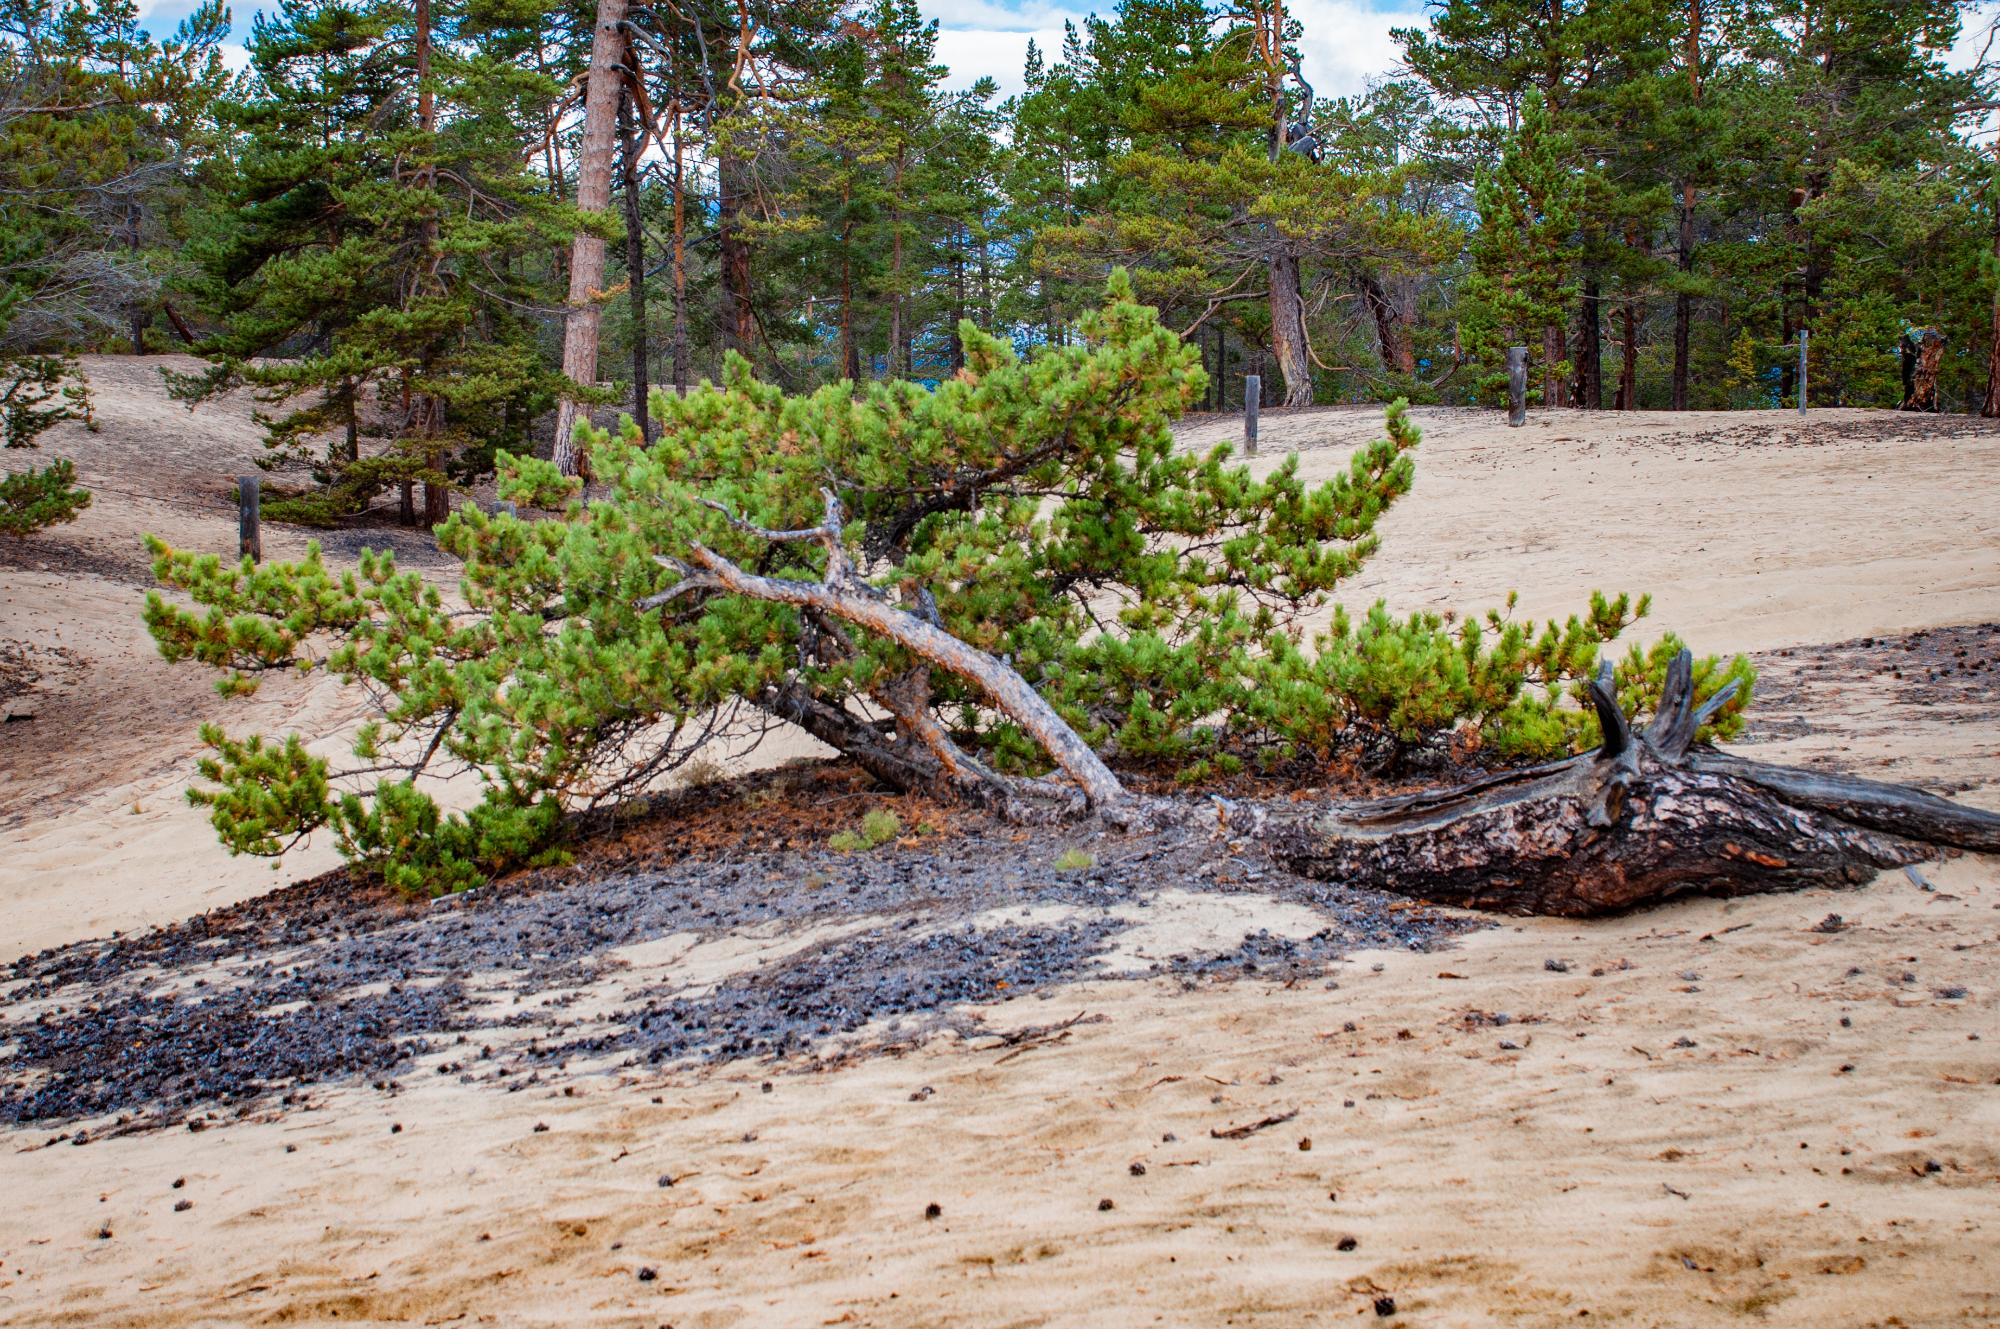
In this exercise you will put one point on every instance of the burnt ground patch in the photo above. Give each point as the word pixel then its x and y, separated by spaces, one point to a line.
pixel 248 1009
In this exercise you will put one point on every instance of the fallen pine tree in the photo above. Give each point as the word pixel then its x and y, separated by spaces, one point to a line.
pixel 1006 590
pixel 1649 815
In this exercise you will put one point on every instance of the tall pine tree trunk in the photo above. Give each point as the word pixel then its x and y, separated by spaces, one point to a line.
pixel 1991 407
pixel 1552 354
pixel 680 260
pixel 1684 249
pixel 593 195
pixel 739 321
pixel 1288 304
pixel 1683 301
pixel 1288 328
pixel 1589 344
pixel 1398 355
pixel 1628 367
pixel 959 303
pixel 850 351
pixel 899 352
pixel 633 140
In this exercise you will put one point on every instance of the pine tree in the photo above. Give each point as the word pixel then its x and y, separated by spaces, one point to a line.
pixel 373 240
pixel 940 559
pixel 1525 250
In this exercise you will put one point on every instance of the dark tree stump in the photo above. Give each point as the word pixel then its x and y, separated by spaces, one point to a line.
pixel 1647 817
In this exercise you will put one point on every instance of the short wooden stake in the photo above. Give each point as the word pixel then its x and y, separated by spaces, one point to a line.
pixel 1802 371
pixel 1517 386
pixel 1253 397
pixel 249 538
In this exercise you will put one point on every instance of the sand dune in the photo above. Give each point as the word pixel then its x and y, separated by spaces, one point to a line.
pixel 1712 1114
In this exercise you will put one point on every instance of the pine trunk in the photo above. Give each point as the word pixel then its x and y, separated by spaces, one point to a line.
pixel 1398 355
pixel 1991 407
pixel 593 195
pixel 1589 347
pixel 1628 368
pixel 739 322
pixel 680 261
pixel 1288 329
pixel 635 258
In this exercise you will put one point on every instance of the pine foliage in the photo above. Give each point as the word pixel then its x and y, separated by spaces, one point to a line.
pixel 1035 507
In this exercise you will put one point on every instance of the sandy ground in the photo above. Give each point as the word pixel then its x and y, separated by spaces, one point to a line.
pixel 1716 1114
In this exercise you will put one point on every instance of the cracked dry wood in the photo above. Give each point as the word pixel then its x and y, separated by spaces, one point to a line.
pixel 1646 817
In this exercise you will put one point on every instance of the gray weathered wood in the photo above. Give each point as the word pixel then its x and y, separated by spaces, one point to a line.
pixel 1802 371
pixel 845 595
pixel 249 517
pixel 1517 385
pixel 1650 815
pixel 1253 397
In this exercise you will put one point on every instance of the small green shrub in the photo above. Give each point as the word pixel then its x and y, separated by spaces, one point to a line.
pixel 1075 860
pixel 33 499
pixel 878 827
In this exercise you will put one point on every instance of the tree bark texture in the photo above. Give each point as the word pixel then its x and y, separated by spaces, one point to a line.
pixel 1288 328
pixel 593 195
pixel 1647 817
pixel 1398 355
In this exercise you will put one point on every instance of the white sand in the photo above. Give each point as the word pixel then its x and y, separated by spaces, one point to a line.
pixel 1599 1166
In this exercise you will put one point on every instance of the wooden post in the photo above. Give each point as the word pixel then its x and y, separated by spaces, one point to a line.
pixel 1253 396
pixel 249 540
pixel 1802 371
pixel 1517 386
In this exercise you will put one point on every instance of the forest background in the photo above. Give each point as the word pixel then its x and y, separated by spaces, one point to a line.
pixel 372 212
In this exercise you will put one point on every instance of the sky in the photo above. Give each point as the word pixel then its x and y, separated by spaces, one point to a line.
pixel 1347 42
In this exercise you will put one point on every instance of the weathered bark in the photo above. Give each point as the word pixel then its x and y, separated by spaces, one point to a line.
pixel 1288 328
pixel 1925 363
pixel 593 195
pixel 1647 817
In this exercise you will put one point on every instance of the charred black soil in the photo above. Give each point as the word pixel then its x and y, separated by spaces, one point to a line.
pixel 249 1009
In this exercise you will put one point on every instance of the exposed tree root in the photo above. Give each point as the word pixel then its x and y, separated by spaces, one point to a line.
pixel 1646 817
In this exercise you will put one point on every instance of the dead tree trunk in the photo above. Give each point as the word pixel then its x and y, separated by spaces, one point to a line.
pixel 1646 817
pixel 593 195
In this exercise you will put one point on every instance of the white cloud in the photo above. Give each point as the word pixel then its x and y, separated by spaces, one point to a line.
pixel 1346 42
pixel 973 53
